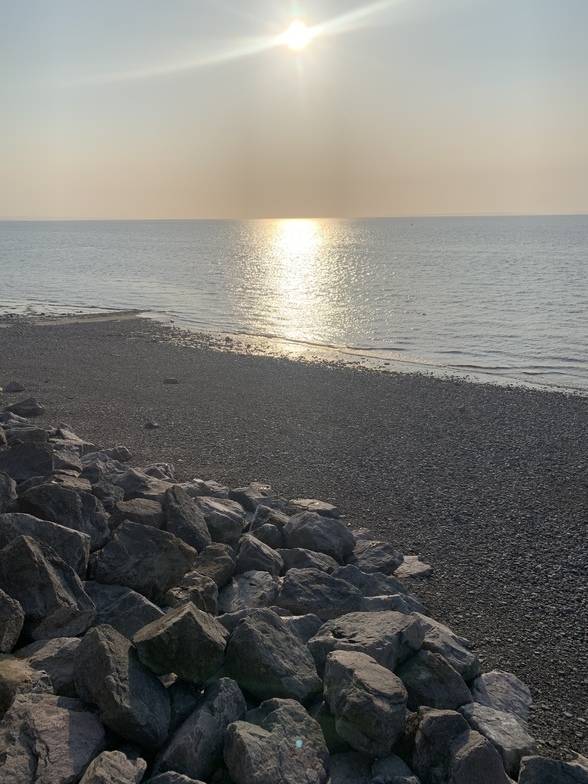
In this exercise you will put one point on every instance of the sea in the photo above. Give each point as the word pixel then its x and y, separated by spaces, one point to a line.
pixel 494 299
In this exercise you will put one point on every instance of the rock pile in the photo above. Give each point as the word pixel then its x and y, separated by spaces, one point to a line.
pixel 167 632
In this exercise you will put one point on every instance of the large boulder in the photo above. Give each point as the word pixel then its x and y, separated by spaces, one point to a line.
pixel 254 495
pixel 186 641
pixel 184 519
pixel 254 555
pixel 138 510
pixel 145 559
pixel 194 587
pixel 388 637
pixel 312 591
pixel 130 699
pixel 49 591
pixel 313 505
pixel 122 608
pixel 16 677
pixel 216 561
pixel 11 622
pixel 300 558
pixel 375 556
pixel 372 584
pixel 455 650
pixel 322 534
pixel 26 460
pixel 505 692
pixel 136 483
pixel 367 700
pixel 225 519
pixel 56 658
pixel 278 744
pixel 541 770
pixel 196 748
pixel 29 407
pixel 48 740
pixel 248 591
pixel 7 492
pixel 268 660
pixel 115 767
pixel 430 680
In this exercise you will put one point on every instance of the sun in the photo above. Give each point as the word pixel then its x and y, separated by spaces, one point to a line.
pixel 297 36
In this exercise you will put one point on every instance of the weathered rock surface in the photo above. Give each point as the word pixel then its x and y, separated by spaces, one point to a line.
pixel 252 496
pixel 367 700
pixel 225 519
pixel 303 626
pixel 373 584
pixel 455 650
pixel 312 591
pixel 268 660
pixel 184 519
pixel 269 534
pixel 540 770
pixel 248 591
pixel 413 567
pixel 56 658
pixel 196 749
pixel 49 591
pixel 374 556
pixel 122 608
pixel 138 510
pixel 138 484
pixel 392 770
pixel 196 588
pixel 16 677
pixel 114 767
pixel 314 505
pixel 255 556
pixel 7 492
pixel 284 745
pixel 430 680
pixel 321 534
pixel 216 561
pixel 11 622
pixel 26 460
pixel 171 777
pixel 185 641
pixel 300 558
pixel 130 698
pixel 503 691
pixel 28 407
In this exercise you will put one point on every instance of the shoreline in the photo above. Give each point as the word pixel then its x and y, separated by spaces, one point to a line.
pixel 489 483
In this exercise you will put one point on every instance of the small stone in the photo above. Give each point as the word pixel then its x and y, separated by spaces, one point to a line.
pixel 170 380
pixel 26 408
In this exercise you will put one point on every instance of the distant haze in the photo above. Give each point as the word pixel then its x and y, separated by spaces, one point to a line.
pixel 186 109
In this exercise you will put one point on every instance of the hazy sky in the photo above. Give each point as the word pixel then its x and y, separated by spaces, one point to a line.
pixel 188 108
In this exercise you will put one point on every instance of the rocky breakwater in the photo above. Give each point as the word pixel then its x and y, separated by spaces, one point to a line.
pixel 173 632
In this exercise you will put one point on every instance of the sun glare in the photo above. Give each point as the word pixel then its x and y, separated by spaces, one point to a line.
pixel 297 36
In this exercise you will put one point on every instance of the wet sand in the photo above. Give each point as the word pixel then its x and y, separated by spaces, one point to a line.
pixel 489 483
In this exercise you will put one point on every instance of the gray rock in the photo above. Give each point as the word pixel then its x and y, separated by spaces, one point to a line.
pixel 171 777
pixel 8 494
pixel 145 559
pixel 216 561
pixel 430 680
pixel 300 558
pixel 388 637
pixel 321 534
pixel 312 591
pixel 413 567
pixel 540 770
pixel 268 660
pixel 65 434
pixel 269 534
pixel 24 461
pixel 16 677
pixel 11 622
pixel 504 732
pixel 284 746
pixel 77 510
pixel 129 697
pixel 122 608
pixel 3 439
pixel 373 584
pixel 185 641
pixel 250 497
pixel 349 767
pixel 196 749
pixel 269 515
pixel 49 591
pixel 20 435
pixel 398 602
pixel 374 556
pixel 184 519
pixel 108 495
pixel 313 505
pixel 66 458
pixel 455 650
pixel 14 386
pixel 367 700
pixel 138 484
pixel 28 407
pixel 248 591
pixel 48 740
pixel 225 519
pixel 56 658
pixel 196 588
pixel 320 711
pixel 392 770
pixel 303 626
pixel 114 767
pixel 71 546
pixel 138 510
pixel 255 556
pixel 503 691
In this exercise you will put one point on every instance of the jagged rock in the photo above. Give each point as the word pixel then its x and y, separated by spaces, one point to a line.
pixel 414 567
pixel 540 770
pixel 216 561
pixel 248 591
pixel 77 510
pixel 225 519
pixel 312 591
pixel 56 658
pixel 101 467
pixel 503 691
pixel 373 584
pixel 10 420
pixel 3 439
pixel 440 639
pixel 255 556
pixel 184 519
pixel 114 767
pixel 374 556
pixel 320 712
pixel 138 510
pixel 17 677
pixel 250 497
pixel 367 700
pixel 269 534
pixel 185 641
pixel 14 386
pixel 196 588
pixel 65 435
pixel 26 408
pixel 268 660
pixel 430 680
pixel 300 558
pixel 49 591
pixel 397 602
pixel 171 777
pixel 447 750
pixel 122 608
pixel 388 637
pixel 269 515
pixel 504 732
pixel 196 749
pixel 66 458
pixel 20 435
pixel 48 740
pixel 284 746
pixel 8 494
pixel 392 770
pixel 108 495
pixel 24 461
pixel 138 484
pixel 313 505
pixel 145 559
pixel 129 697
pixel 303 626
pixel 321 534
pixel 71 546
pixel 11 622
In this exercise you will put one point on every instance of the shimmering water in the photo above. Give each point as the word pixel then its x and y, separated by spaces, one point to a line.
pixel 505 296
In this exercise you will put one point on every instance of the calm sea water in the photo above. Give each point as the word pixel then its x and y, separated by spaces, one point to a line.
pixel 504 297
